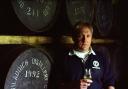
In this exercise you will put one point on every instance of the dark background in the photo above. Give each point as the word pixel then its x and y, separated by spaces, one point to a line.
pixel 11 25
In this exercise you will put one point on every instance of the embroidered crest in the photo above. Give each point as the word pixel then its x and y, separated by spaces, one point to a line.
pixel 96 65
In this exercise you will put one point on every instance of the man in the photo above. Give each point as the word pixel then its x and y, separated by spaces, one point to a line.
pixel 82 58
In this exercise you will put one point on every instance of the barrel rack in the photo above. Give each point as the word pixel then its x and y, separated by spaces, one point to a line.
pixel 33 40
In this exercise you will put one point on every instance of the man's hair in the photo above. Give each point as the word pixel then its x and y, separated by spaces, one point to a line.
pixel 80 25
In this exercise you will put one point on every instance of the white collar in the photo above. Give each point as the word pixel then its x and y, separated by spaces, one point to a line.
pixel 73 53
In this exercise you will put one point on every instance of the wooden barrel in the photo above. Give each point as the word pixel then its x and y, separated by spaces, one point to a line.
pixel 30 68
pixel 37 15
pixel 80 10
pixel 104 16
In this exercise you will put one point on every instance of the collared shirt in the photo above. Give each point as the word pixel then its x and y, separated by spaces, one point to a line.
pixel 82 55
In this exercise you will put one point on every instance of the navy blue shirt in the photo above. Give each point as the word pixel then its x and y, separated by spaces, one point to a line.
pixel 102 75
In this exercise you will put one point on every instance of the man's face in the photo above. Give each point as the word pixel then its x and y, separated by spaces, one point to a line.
pixel 83 39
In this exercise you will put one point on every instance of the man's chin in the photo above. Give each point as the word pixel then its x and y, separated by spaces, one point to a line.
pixel 84 49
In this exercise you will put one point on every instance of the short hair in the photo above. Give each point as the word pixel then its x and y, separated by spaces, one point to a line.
pixel 80 25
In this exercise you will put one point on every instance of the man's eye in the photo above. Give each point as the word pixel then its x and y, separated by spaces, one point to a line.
pixel 88 35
